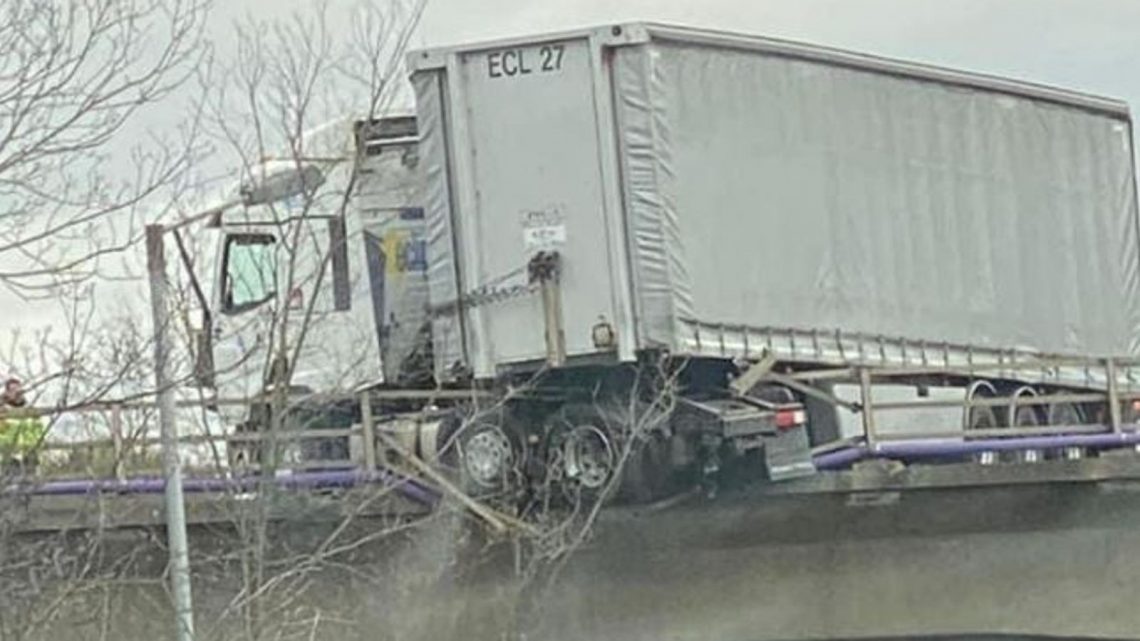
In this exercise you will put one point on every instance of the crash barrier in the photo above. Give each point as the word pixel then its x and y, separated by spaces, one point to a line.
pixel 122 452
pixel 1028 419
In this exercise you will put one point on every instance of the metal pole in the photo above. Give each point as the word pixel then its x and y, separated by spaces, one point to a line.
pixel 171 465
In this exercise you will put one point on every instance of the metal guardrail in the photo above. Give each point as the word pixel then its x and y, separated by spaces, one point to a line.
pixel 1108 392
pixel 119 445
pixel 1111 396
pixel 821 356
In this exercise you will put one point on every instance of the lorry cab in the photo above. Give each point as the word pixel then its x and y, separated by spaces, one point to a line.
pixel 327 279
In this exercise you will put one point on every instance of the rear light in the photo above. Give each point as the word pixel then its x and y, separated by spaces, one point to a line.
pixel 789 418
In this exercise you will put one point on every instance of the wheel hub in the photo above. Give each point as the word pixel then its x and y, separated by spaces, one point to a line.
pixel 588 456
pixel 486 456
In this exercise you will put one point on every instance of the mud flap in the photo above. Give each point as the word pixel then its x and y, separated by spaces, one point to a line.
pixel 787 454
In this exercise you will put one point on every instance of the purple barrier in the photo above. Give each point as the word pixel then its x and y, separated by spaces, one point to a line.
pixel 943 448
pixel 308 480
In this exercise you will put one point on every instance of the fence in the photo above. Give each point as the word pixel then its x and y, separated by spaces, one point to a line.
pixel 124 449
pixel 115 446
pixel 1112 403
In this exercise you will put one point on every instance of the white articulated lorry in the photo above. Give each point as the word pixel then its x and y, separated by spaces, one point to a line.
pixel 699 249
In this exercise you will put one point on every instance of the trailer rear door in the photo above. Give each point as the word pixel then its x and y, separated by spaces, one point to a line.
pixel 531 180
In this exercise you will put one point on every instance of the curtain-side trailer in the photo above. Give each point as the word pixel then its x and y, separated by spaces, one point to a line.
pixel 670 242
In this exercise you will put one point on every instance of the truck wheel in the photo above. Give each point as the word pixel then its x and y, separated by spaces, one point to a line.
pixel 647 472
pixel 479 452
pixel 486 458
pixel 1024 416
pixel 1065 414
pixel 583 445
pixel 588 457
pixel 982 418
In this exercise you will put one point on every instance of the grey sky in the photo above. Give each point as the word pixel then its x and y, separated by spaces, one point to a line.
pixel 1083 44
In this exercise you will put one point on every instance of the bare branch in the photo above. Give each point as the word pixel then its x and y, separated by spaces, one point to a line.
pixel 74 77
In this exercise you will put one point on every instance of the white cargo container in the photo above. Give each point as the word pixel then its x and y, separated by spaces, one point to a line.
pixel 714 195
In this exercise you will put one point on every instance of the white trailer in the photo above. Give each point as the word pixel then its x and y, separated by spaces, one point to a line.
pixel 749 208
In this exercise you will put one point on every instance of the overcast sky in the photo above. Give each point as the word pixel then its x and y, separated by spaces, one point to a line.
pixel 1093 45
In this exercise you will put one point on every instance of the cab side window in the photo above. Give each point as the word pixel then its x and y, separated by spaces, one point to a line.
pixel 250 274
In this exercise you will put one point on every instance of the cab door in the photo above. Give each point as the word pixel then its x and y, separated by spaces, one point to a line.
pixel 245 300
pixel 331 346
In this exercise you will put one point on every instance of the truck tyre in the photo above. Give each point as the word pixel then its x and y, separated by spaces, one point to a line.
pixel 1065 414
pixel 646 474
pixel 1024 416
pixel 479 453
pixel 584 446
pixel 487 457
pixel 982 418
pixel 580 447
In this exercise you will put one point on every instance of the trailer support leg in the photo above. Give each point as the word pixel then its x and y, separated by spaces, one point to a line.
pixel 867 411
pixel 1113 395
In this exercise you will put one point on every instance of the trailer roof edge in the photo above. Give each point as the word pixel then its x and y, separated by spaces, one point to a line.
pixel 631 33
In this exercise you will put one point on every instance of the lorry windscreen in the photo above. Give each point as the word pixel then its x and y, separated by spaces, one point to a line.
pixel 250 272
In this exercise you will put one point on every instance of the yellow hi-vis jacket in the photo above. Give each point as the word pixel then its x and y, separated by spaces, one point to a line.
pixel 21 432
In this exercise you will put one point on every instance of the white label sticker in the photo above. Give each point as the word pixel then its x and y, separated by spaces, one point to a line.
pixel 544 237
pixel 543 229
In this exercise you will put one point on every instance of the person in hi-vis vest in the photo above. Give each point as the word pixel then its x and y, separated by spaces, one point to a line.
pixel 21 430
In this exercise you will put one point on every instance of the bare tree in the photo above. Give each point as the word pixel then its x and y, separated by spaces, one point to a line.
pixel 78 165
pixel 291 77
pixel 74 77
